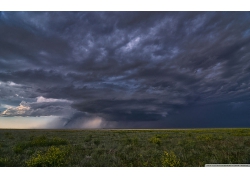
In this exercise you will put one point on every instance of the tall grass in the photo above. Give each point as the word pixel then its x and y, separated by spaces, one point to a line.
pixel 124 148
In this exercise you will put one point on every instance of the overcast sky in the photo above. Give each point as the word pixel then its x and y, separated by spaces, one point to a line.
pixel 124 69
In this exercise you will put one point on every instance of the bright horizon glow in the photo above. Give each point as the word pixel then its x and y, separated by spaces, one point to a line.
pixel 26 122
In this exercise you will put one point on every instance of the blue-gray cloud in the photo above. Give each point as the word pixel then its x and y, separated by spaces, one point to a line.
pixel 129 69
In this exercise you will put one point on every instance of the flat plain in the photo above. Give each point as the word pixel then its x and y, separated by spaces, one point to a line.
pixel 124 148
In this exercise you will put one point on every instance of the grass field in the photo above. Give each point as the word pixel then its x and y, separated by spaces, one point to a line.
pixel 124 148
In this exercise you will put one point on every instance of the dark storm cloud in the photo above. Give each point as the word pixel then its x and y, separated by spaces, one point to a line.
pixel 129 68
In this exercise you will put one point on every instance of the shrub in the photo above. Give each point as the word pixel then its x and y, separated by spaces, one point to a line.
pixel 88 138
pixel 97 142
pixel 3 162
pixel 43 141
pixel 160 136
pixel 241 134
pixel 169 159
pixel 20 147
pixel 131 141
pixel 205 138
pixel 209 138
pixel 155 140
pixel 54 157
pixel 40 141
pixel 8 135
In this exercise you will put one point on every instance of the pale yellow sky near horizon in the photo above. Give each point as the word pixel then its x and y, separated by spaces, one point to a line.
pixel 26 122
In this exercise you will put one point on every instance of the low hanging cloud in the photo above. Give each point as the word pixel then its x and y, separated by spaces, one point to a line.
pixel 42 107
pixel 50 100
pixel 20 110
pixel 126 69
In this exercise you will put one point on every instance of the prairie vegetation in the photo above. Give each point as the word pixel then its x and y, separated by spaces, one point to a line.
pixel 124 148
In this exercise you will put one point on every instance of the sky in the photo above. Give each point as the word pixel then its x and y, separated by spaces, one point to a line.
pixel 131 69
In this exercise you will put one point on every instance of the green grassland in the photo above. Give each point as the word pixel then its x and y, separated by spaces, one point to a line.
pixel 124 148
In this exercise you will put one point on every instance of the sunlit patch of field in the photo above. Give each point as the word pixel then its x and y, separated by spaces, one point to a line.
pixel 123 147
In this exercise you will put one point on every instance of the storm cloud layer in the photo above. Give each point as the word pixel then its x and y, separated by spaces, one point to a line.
pixel 127 69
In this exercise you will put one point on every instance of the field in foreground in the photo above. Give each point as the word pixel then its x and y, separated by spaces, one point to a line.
pixel 124 148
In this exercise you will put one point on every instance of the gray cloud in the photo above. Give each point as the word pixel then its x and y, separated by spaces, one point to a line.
pixel 128 69
pixel 42 107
